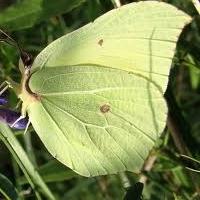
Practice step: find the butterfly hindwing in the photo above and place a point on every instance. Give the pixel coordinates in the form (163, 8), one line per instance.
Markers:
(92, 118)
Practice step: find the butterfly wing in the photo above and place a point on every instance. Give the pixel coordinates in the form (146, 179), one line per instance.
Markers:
(100, 105)
(96, 120)
(138, 37)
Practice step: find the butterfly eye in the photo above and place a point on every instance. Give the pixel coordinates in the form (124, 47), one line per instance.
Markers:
(10, 117)
(27, 59)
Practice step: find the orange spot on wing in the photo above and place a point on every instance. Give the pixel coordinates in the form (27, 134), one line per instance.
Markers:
(105, 108)
(100, 42)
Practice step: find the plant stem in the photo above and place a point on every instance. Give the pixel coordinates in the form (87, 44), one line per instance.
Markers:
(29, 148)
(124, 179)
(16, 171)
(196, 5)
(148, 165)
(176, 135)
(116, 3)
(36, 182)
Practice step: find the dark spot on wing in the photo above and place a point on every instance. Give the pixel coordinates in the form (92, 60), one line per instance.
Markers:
(105, 108)
(100, 42)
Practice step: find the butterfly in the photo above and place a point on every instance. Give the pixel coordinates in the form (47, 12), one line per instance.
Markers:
(95, 96)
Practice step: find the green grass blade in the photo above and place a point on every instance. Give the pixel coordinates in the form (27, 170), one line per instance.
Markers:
(7, 136)
(190, 158)
(53, 171)
(7, 189)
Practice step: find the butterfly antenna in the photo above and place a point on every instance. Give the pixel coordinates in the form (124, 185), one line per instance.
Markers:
(26, 58)
(6, 35)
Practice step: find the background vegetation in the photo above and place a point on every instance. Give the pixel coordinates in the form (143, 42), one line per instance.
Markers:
(36, 23)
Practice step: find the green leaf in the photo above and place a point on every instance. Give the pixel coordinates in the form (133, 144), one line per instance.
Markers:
(26, 13)
(7, 136)
(96, 98)
(7, 189)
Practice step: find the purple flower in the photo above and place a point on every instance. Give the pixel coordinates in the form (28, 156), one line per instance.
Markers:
(3, 101)
(9, 117)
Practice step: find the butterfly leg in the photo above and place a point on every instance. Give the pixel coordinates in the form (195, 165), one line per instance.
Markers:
(25, 131)
(16, 121)
(18, 105)
(4, 86)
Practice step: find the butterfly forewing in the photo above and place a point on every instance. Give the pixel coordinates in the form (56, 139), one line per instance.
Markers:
(138, 37)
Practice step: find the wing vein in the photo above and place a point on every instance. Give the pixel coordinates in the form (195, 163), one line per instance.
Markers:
(84, 125)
